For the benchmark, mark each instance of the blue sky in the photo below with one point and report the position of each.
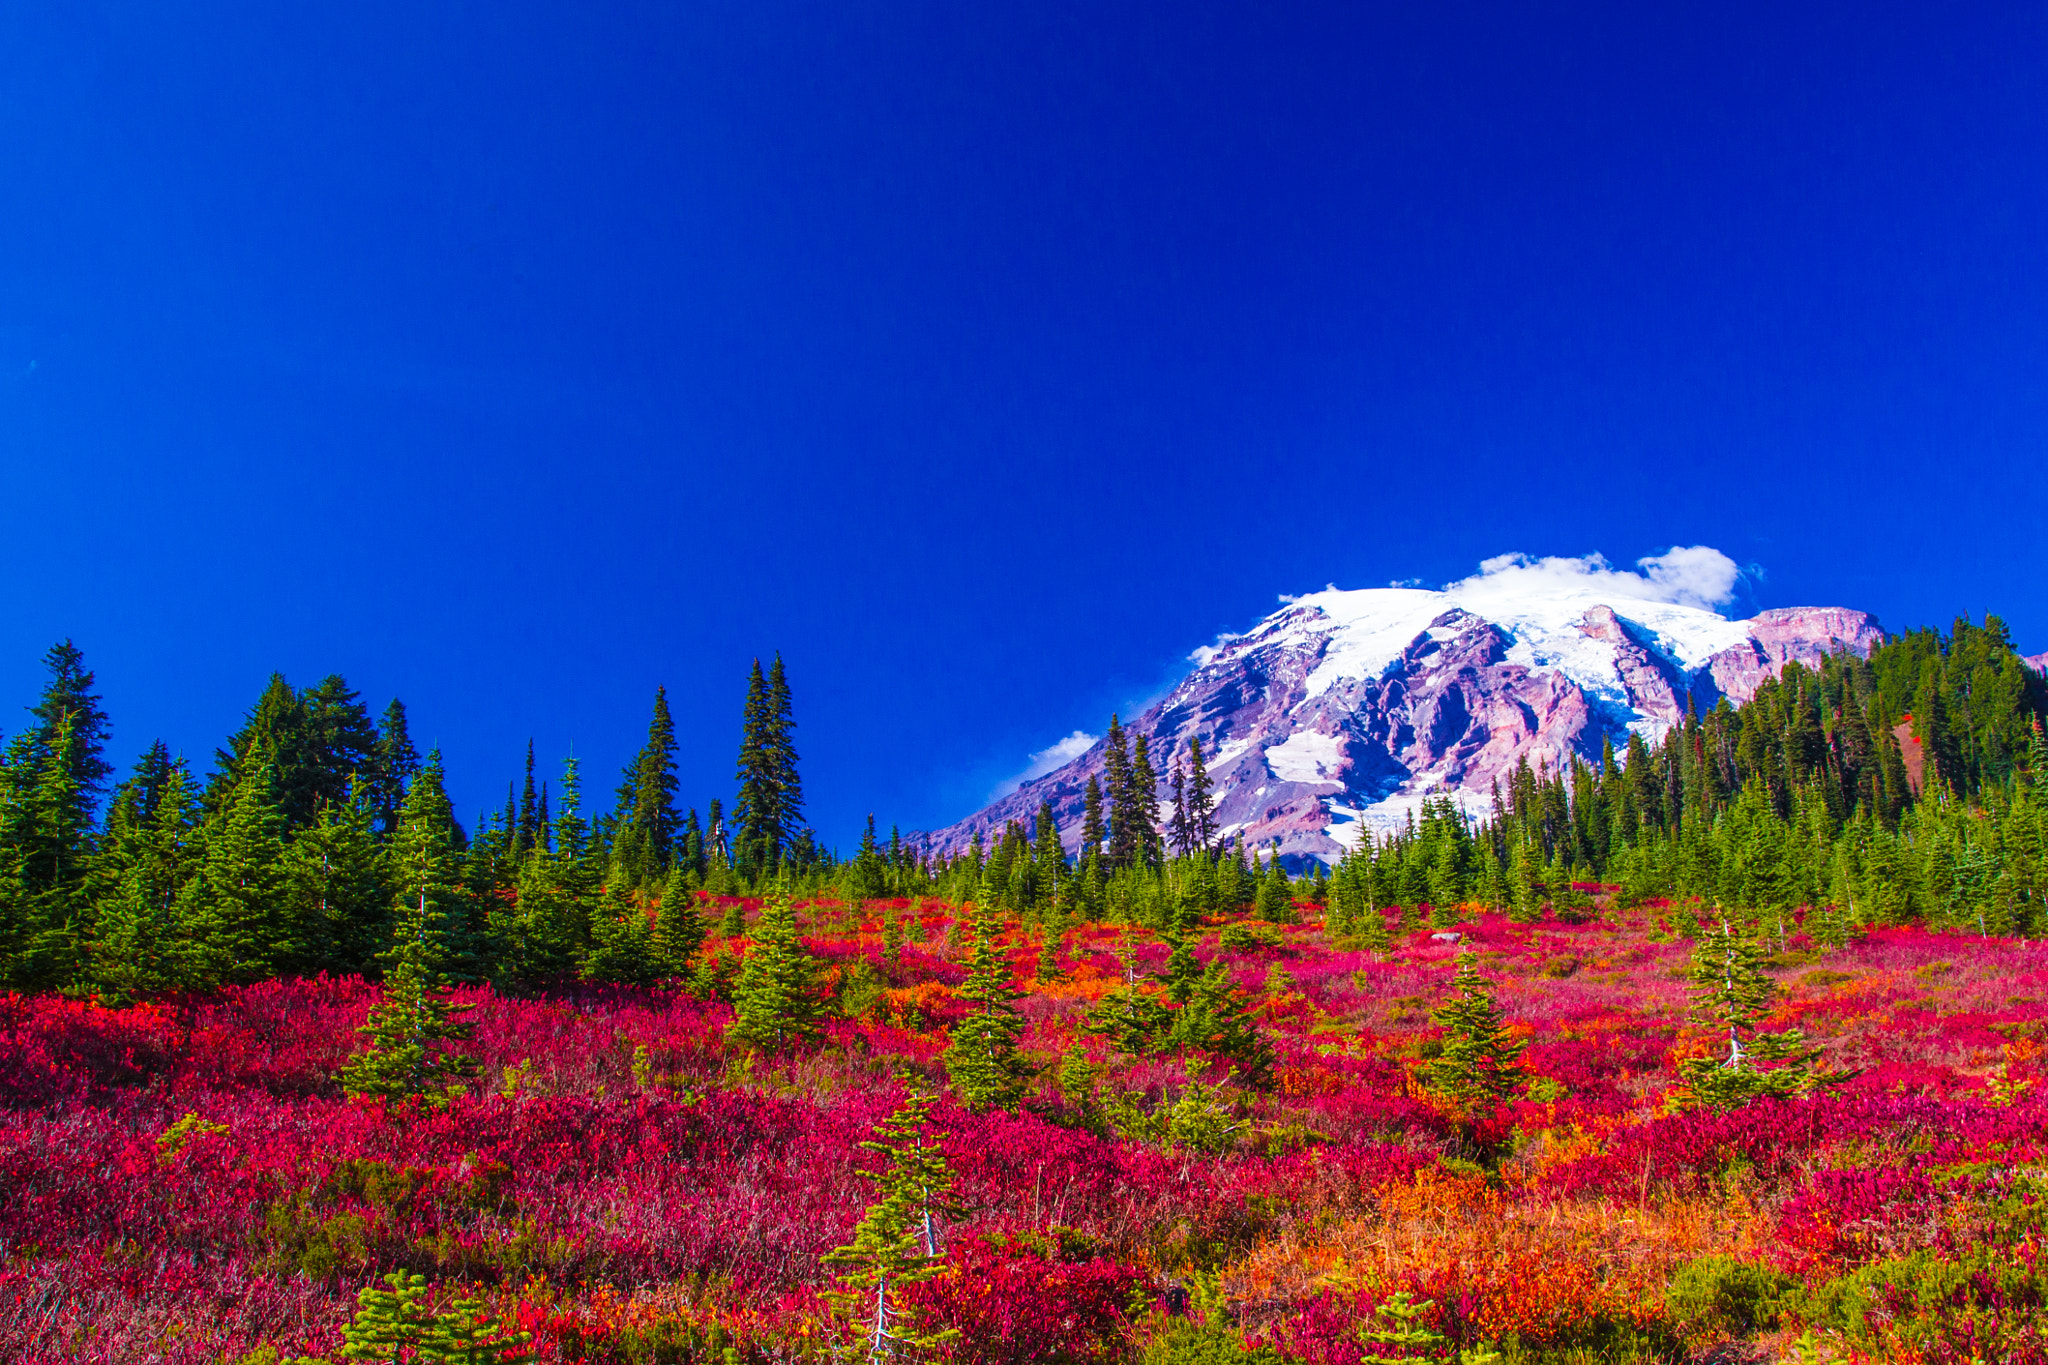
(984, 360)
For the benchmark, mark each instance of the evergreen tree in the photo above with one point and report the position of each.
(396, 1324)
(897, 1242)
(411, 1032)
(982, 1057)
(1201, 801)
(547, 932)
(678, 924)
(45, 905)
(1216, 1018)
(235, 906)
(768, 816)
(1479, 1066)
(1048, 860)
(72, 726)
(644, 846)
(1125, 843)
(774, 1008)
(621, 939)
(1731, 994)
(397, 761)
(1093, 832)
(1144, 804)
(336, 902)
(141, 948)
(527, 833)
(1274, 901)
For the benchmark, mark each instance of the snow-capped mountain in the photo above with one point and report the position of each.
(1348, 708)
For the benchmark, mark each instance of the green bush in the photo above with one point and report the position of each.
(1243, 937)
(1722, 1294)
(1182, 1342)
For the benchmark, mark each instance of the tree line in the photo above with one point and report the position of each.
(320, 832)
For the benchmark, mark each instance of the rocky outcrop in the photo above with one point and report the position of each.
(1349, 709)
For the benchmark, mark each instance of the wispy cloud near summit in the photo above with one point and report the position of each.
(1685, 575)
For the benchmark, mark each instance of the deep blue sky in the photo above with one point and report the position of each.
(983, 359)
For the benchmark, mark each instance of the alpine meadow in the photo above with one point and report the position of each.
(1726, 1042)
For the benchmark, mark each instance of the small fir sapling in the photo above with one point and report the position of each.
(396, 1326)
(733, 923)
(774, 1005)
(678, 923)
(1051, 941)
(1479, 1066)
(411, 1031)
(982, 1057)
(892, 938)
(1732, 995)
(899, 1240)
(1216, 1019)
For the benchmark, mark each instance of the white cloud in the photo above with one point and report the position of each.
(1057, 755)
(1685, 575)
(1201, 654)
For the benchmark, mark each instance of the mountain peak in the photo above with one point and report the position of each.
(1344, 709)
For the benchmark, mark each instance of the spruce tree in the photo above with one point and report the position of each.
(526, 835)
(396, 762)
(1144, 804)
(1125, 844)
(768, 815)
(1216, 1018)
(141, 948)
(1048, 860)
(1201, 801)
(1093, 832)
(336, 901)
(1732, 995)
(397, 1324)
(1479, 1066)
(648, 821)
(774, 1007)
(45, 900)
(235, 905)
(621, 939)
(982, 1057)
(897, 1242)
(548, 931)
(72, 725)
(678, 924)
(424, 859)
(1275, 897)
(411, 1032)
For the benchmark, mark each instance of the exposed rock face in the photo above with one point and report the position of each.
(2037, 662)
(1347, 709)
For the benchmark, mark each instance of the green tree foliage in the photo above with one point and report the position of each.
(1731, 995)
(398, 1326)
(982, 1058)
(235, 908)
(332, 879)
(1480, 1063)
(644, 845)
(679, 929)
(898, 1242)
(141, 946)
(1217, 1019)
(768, 816)
(775, 1007)
(410, 1034)
(1274, 902)
(622, 939)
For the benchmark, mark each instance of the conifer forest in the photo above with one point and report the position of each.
(1727, 1046)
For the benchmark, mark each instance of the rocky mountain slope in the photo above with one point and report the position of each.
(1348, 708)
